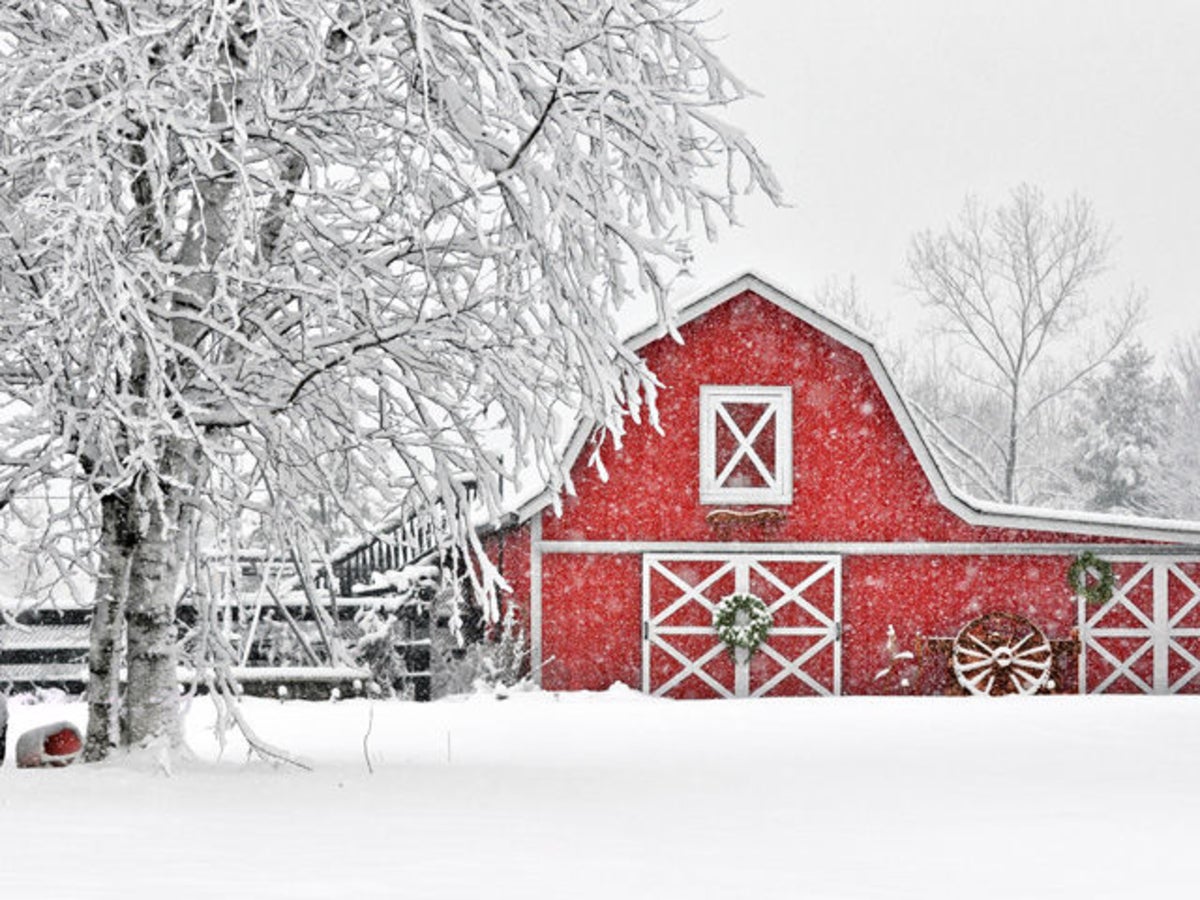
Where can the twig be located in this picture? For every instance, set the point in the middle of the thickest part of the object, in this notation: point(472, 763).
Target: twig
point(317, 612)
point(370, 724)
point(287, 617)
point(257, 744)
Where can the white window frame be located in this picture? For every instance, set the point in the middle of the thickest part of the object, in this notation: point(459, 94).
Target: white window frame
point(778, 401)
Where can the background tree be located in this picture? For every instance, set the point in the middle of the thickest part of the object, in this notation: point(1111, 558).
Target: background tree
point(1009, 291)
point(1121, 431)
point(1177, 488)
point(254, 252)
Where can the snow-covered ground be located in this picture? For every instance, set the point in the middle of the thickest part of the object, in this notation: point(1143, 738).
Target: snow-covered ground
point(619, 796)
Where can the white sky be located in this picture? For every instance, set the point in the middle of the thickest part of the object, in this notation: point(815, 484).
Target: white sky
point(880, 117)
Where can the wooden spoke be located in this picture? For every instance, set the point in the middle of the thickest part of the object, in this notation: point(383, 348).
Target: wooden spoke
point(977, 664)
point(975, 654)
point(1021, 643)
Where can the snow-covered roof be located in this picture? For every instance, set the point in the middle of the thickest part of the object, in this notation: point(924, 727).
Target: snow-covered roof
point(971, 510)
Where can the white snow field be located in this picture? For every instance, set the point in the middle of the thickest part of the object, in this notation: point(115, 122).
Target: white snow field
point(615, 795)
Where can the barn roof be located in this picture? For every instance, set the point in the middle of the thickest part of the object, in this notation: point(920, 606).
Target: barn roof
point(970, 509)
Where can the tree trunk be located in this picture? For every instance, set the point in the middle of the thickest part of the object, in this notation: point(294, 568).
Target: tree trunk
point(151, 707)
point(1010, 462)
point(152, 695)
point(143, 547)
point(107, 630)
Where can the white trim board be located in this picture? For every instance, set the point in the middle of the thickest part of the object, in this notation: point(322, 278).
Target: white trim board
point(1113, 552)
point(535, 600)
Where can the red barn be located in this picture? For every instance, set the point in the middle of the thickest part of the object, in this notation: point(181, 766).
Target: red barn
point(788, 469)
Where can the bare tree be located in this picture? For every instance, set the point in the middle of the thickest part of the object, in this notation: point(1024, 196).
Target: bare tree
point(254, 252)
point(1009, 289)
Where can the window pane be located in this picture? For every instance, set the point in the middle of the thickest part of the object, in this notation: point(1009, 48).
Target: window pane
point(742, 463)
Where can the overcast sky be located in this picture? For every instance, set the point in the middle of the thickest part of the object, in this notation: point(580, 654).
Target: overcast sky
point(880, 117)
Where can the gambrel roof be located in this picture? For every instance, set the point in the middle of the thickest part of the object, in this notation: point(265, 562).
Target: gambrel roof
point(971, 510)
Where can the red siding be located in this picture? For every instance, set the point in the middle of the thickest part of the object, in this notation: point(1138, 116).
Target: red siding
point(592, 614)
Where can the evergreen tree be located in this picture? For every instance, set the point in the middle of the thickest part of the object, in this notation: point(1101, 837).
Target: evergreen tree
point(1177, 489)
point(1122, 432)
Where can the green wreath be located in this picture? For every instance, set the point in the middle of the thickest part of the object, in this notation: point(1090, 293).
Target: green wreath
point(1091, 578)
point(751, 631)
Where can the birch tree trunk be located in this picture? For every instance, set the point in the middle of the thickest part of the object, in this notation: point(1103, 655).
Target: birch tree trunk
point(151, 705)
point(107, 629)
point(152, 695)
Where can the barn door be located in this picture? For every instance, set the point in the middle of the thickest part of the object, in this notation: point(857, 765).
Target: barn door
point(1146, 638)
point(681, 655)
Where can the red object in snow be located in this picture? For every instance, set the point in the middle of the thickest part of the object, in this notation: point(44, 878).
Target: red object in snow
point(55, 745)
point(64, 742)
point(789, 467)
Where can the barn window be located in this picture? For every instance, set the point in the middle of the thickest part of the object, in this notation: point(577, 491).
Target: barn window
point(745, 444)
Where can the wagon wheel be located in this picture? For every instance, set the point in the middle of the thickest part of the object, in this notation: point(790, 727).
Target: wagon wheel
point(1001, 653)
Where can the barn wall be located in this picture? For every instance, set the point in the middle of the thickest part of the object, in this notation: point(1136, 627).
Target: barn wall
point(934, 597)
point(592, 615)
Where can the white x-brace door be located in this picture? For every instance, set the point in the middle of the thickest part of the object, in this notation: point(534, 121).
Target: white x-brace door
point(1146, 638)
point(681, 655)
